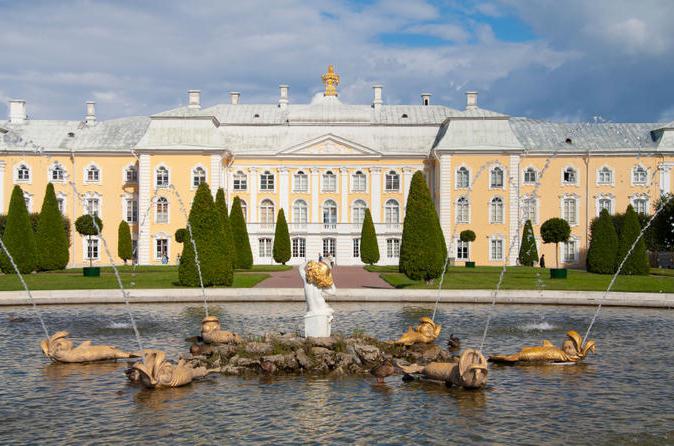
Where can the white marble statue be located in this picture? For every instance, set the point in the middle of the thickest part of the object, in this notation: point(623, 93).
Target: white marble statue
point(318, 283)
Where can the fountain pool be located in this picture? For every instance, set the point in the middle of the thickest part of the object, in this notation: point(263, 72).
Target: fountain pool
point(622, 394)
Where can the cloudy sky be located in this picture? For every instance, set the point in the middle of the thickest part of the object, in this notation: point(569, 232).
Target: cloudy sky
point(549, 59)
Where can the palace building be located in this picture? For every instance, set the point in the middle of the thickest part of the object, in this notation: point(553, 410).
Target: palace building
point(325, 162)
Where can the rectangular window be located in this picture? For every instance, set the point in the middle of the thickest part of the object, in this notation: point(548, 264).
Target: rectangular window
point(605, 203)
point(461, 250)
point(529, 210)
point(265, 247)
point(92, 249)
point(240, 182)
point(131, 211)
point(569, 210)
point(267, 181)
point(301, 183)
point(92, 206)
point(329, 182)
point(359, 182)
point(393, 248)
point(61, 202)
point(356, 248)
point(640, 206)
point(161, 251)
point(392, 182)
point(570, 251)
point(329, 247)
point(299, 248)
point(496, 249)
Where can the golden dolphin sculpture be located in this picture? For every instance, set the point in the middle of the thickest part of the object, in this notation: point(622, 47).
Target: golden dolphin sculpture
point(212, 334)
point(59, 348)
point(470, 372)
point(571, 351)
point(426, 332)
point(156, 372)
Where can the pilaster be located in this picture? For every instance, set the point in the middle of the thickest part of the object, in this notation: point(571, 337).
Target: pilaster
point(375, 197)
point(2, 186)
point(253, 185)
point(216, 173)
point(344, 189)
point(513, 209)
point(408, 172)
point(314, 195)
point(144, 196)
point(284, 189)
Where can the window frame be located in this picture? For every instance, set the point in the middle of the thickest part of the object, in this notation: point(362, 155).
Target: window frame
point(300, 182)
point(165, 177)
point(242, 179)
point(462, 178)
point(494, 184)
point(161, 216)
point(267, 181)
point(392, 181)
point(198, 176)
point(356, 178)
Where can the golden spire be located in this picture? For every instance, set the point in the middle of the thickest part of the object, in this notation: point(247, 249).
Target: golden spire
point(331, 80)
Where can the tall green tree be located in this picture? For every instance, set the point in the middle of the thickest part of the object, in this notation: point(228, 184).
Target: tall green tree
point(223, 213)
point(601, 256)
point(555, 230)
point(244, 256)
point(637, 262)
point(528, 251)
point(281, 250)
point(369, 248)
point(662, 227)
point(423, 250)
point(18, 237)
point(51, 238)
point(124, 246)
point(209, 239)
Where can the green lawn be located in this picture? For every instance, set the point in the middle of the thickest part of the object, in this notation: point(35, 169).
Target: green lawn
point(142, 277)
point(525, 278)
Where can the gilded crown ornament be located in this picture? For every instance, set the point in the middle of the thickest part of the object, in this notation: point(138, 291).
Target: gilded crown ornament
point(330, 80)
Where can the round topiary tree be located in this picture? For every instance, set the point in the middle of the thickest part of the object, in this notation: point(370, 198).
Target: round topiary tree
point(369, 248)
point(637, 262)
point(180, 235)
point(244, 256)
point(124, 246)
point(51, 237)
point(281, 249)
point(18, 237)
point(467, 236)
point(223, 212)
point(88, 225)
point(555, 230)
point(423, 250)
point(601, 256)
point(528, 252)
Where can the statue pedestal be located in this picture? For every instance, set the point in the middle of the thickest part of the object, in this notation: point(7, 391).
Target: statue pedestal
point(318, 324)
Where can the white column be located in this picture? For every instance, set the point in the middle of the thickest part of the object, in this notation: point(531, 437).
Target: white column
point(2, 187)
point(284, 189)
point(375, 194)
point(408, 172)
point(445, 199)
point(144, 195)
point(252, 185)
point(216, 173)
point(514, 208)
point(344, 184)
point(314, 195)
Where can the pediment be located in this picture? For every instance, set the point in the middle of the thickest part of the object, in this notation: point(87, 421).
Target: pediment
point(329, 146)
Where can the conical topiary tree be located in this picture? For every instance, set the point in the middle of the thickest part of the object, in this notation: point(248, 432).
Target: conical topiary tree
point(423, 250)
point(281, 249)
point(244, 256)
point(555, 230)
point(369, 248)
point(18, 237)
point(637, 262)
point(601, 256)
point(124, 246)
point(51, 238)
point(223, 213)
point(216, 269)
point(88, 225)
point(528, 252)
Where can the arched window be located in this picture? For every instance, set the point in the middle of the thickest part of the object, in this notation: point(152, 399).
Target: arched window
point(530, 175)
point(605, 176)
point(57, 173)
point(267, 212)
point(639, 175)
point(162, 177)
point(496, 210)
point(570, 176)
point(604, 203)
point(198, 176)
point(93, 175)
point(462, 210)
point(162, 214)
point(244, 209)
point(131, 174)
point(330, 214)
point(529, 208)
point(358, 212)
point(462, 177)
point(267, 181)
point(300, 212)
point(300, 181)
point(392, 181)
point(329, 182)
point(23, 173)
point(240, 181)
point(392, 212)
point(358, 182)
point(496, 177)
point(569, 210)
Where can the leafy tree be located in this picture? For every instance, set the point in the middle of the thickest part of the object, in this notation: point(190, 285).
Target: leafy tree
point(555, 230)
point(369, 248)
point(528, 251)
point(423, 250)
point(223, 213)
point(281, 250)
point(18, 237)
point(88, 225)
point(244, 256)
point(216, 268)
point(124, 246)
point(601, 256)
point(637, 262)
point(662, 228)
point(51, 238)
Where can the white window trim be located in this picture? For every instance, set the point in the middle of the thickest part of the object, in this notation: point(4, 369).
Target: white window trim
point(125, 168)
point(604, 197)
point(648, 176)
point(296, 175)
point(322, 213)
point(29, 196)
point(538, 208)
point(399, 212)
point(274, 213)
point(158, 236)
point(640, 196)
point(64, 197)
point(85, 246)
point(400, 186)
point(195, 167)
point(259, 182)
point(503, 247)
point(353, 211)
point(125, 197)
point(490, 212)
point(271, 250)
point(505, 176)
point(88, 195)
point(599, 169)
point(329, 191)
point(576, 251)
point(292, 240)
point(456, 213)
point(154, 205)
point(245, 176)
point(308, 210)
point(51, 169)
point(85, 172)
point(561, 208)
point(524, 171)
point(392, 240)
point(455, 247)
point(355, 240)
point(15, 169)
point(367, 183)
point(154, 177)
point(561, 176)
point(456, 177)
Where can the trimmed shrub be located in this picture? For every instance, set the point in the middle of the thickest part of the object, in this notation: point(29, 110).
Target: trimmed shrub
point(223, 213)
point(181, 235)
point(216, 269)
point(528, 251)
point(369, 248)
point(124, 246)
point(555, 230)
point(637, 262)
point(423, 250)
point(244, 256)
point(601, 256)
point(18, 237)
point(51, 238)
point(84, 225)
point(281, 250)
point(467, 236)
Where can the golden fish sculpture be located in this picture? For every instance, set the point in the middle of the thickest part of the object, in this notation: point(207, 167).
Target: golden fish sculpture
point(212, 334)
point(426, 332)
point(155, 371)
point(60, 349)
point(470, 372)
point(319, 274)
point(571, 351)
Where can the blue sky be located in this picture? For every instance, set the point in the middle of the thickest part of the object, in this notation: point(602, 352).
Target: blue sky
point(560, 60)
